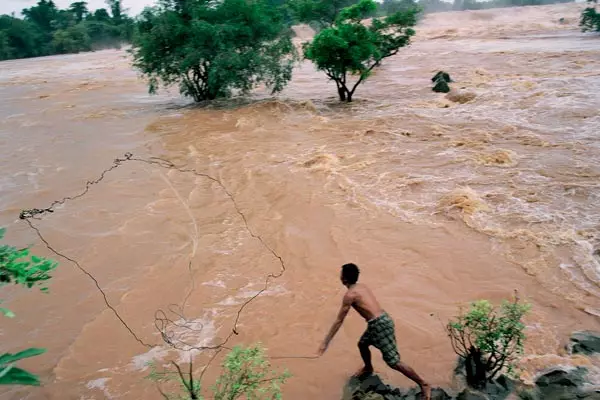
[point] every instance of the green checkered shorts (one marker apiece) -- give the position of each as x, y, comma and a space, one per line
380, 334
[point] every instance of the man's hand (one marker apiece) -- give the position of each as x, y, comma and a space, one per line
322, 349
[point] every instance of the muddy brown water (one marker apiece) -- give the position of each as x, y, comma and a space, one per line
439, 202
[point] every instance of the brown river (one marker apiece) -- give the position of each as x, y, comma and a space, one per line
440, 202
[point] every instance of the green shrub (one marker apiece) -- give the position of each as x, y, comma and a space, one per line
246, 374
489, 339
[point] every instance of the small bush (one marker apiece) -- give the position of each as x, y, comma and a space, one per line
246, 374
489, 339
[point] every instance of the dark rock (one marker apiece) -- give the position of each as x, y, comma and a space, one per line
441, 86
560, 384
500, 389
470, 394
373, 388
441, 74
585, 342
558, 377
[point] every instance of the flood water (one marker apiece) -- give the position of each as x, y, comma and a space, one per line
439, 202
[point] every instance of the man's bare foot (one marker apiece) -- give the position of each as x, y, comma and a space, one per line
363, 372
426, 391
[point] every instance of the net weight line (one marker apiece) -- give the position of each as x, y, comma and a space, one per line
166, 326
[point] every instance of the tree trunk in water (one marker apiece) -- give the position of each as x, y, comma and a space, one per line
475, 369
349, 97
342, 93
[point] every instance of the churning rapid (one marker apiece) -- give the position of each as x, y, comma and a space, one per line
440, 199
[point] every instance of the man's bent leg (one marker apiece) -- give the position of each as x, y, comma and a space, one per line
412, 375
365, 353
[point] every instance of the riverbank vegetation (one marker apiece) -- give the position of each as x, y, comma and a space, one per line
44, 29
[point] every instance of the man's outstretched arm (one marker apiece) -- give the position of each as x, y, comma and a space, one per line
346, 304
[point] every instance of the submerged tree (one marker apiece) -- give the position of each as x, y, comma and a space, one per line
489, 340
349, 48
212, 48
590, 18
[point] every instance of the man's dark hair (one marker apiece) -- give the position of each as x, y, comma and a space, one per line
350, 273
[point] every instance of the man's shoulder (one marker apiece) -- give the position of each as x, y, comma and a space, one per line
350, 295
355, 292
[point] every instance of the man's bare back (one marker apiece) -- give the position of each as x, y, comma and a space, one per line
380, 331
364, 301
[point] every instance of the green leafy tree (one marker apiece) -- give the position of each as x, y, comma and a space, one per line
71, 40
246, 374
80, 10
6, 51
18, 266
349, 48
46, 30
590, 18
321, 12
22, 38
101, 15
116, 9
102, 34
43, 15
211, 48
488, 339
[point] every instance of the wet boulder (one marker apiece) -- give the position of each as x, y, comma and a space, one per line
562, 384
584, 342
373, 388
441, 74
440, 82
441, 86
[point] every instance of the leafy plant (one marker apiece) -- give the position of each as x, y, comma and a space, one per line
590, 18
349, 48
211, 48
21, 268
488, 339
246, 374
11, 375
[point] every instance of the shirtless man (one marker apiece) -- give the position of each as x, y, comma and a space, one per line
380, 329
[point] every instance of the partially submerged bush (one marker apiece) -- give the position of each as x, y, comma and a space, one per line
590, 18
489, 339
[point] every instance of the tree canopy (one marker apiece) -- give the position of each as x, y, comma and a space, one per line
349, 48
590, 18
212, 49
45, 29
